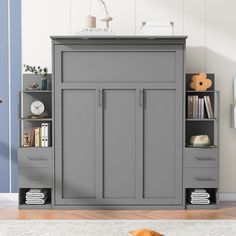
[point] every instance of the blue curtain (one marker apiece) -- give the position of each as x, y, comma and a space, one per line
10, 80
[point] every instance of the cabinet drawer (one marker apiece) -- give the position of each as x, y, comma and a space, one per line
35, 157
201, 177
35, 177
199, 157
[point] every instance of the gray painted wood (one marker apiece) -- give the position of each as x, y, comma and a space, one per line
113, 67
119, 127
79, 144
35, 177
118, 118
200, 157
201, 177
35, 157
160, 156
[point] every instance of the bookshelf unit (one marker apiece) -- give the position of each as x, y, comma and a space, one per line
35, 161
201, 164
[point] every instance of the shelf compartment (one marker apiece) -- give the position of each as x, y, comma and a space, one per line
202, 128
213, 199
23, 205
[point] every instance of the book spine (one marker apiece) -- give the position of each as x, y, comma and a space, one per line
199, 108
194, 107
36, 137
40, 137
210, 107
46, 134
203, 111
207, 107
43, 134
190, 107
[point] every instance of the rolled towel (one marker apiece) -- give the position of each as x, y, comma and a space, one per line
199, 191
36, 195
200, 202
200, 195
36, 190
34, 201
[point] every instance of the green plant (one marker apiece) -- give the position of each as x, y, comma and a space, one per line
37, 71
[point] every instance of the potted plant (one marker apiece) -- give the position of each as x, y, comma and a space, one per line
43, 72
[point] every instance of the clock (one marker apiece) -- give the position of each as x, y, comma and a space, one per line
37, 108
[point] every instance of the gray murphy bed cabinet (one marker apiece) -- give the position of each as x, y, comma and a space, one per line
118, 117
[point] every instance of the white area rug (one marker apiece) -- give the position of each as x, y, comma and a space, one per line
116, 227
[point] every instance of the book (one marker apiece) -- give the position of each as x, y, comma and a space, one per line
208, 107
195, 107
37, 137
43, 135
190, 107
47, 137
201, 108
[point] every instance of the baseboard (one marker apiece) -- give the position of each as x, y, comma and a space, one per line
8, 197
227, 197
13, 197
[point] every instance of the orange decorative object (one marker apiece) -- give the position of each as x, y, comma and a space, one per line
200, 82
145, 232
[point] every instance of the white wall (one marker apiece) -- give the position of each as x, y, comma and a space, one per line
211, 44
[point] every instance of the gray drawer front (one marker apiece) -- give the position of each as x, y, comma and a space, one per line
201, 177
35, 177
199, 157
41, 157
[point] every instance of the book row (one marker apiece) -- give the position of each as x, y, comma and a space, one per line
38, 137
197, 107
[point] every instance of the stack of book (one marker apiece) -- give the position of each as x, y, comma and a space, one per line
40, 136
196, 107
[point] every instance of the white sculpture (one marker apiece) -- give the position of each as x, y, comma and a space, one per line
106, 18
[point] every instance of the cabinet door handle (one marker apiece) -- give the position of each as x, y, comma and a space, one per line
205, 158
100, 97
141, 97
37, 158
204, 179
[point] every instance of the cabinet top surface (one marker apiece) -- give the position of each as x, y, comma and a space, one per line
118, 39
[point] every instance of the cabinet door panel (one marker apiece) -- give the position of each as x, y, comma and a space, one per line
78, 142
160, 146
119, 127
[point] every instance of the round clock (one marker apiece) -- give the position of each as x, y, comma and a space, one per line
37, 108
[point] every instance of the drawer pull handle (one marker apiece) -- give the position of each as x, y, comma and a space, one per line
204, 179
205, 158
37, 159
34, 178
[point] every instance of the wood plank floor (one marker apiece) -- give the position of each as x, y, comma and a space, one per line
227, 210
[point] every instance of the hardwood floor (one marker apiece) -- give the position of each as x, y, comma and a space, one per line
227, 210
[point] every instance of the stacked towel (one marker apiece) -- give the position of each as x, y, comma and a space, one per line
200, 197
36, 196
